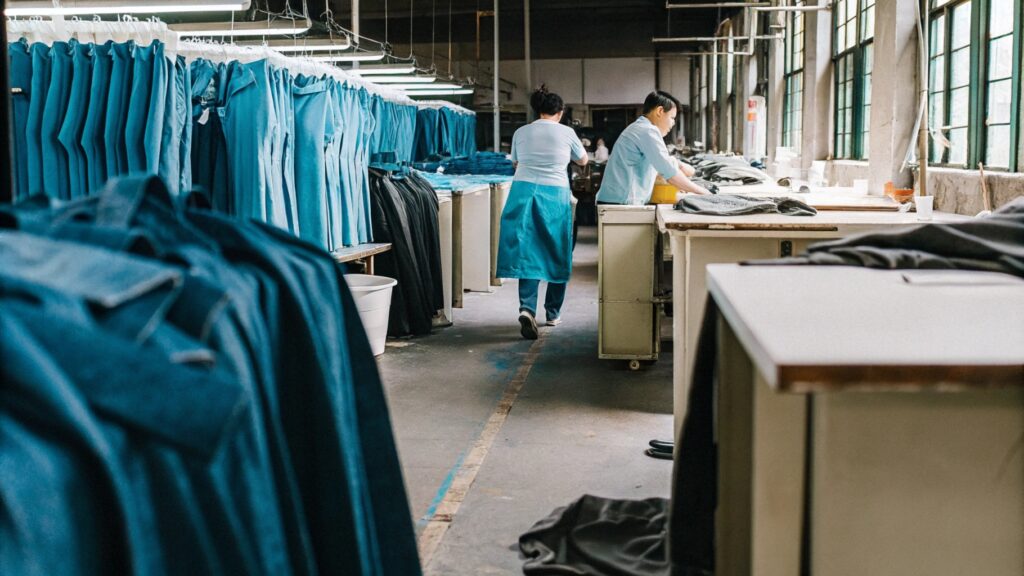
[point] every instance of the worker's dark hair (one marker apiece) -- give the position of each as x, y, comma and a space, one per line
659, 98
547, 103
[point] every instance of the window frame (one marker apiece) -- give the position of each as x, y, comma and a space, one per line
792, 71
978, 83
851, 56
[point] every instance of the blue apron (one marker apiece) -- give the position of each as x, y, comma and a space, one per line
536, 233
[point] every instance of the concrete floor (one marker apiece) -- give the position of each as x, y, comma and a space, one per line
578, 426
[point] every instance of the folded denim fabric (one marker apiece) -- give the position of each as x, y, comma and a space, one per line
738, 205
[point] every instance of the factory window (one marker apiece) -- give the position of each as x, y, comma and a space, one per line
853, 61
792, 121
973, 85
1002, 77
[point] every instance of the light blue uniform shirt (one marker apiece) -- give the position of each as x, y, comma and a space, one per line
543, 150
639, 156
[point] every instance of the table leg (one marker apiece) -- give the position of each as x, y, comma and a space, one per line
761, 437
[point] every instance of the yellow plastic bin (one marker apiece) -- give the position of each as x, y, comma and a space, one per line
663, 192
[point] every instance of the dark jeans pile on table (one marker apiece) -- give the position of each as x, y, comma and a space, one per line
405, 215
184, 393
728, 170
994, 243
590, 541
738, 205
479, 163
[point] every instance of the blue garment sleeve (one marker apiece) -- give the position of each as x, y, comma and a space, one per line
655, 151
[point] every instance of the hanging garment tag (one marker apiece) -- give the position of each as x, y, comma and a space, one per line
204, 117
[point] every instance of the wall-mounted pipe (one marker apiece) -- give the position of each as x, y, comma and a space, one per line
497, 84
355, 21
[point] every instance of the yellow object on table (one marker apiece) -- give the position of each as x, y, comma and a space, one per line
663, 192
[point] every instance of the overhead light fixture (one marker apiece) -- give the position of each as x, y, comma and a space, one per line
273, 27
88, 7
305, 44
418, 87
433, 92
354, 57
374, 70
402, 79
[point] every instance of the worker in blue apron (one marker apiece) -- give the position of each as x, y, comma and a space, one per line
536, 225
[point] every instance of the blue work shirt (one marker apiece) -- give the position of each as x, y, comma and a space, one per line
639, 156
543, 149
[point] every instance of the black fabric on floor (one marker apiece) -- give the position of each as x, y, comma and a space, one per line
599, 537
994, 243
739, 205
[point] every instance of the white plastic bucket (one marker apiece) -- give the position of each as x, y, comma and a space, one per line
372, 295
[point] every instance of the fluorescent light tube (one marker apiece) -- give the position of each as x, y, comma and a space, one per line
354, 57
304, 45
275, 27
382, 69
88, 7
401, 79
432, 92
417, 87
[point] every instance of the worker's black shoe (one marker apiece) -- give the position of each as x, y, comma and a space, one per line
662, 445
527, 325
658, 454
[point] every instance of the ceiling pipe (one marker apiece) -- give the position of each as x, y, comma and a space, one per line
750, 11
670, 6
710, 38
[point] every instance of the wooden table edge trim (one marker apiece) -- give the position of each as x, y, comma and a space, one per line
809, 379
748, 226
377, 248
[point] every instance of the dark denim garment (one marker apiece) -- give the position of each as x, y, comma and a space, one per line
176, 432
233, 500
308, 481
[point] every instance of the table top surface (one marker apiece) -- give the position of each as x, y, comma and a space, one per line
359, 251
464, 191
674, 220
825, 328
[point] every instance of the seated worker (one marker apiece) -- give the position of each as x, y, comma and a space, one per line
601, 152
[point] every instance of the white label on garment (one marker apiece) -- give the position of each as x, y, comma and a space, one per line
204, 117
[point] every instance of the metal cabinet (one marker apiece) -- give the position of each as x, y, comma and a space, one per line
628, 313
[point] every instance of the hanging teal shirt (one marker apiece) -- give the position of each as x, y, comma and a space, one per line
543, 150
639, 156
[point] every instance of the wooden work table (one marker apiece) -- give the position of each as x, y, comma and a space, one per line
364, 252
868, 421
698, 240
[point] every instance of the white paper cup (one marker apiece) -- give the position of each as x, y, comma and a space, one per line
923, 205
860, 186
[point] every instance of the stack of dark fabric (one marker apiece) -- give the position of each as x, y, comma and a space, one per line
187, 394
405, 215
727, 170
739, 205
